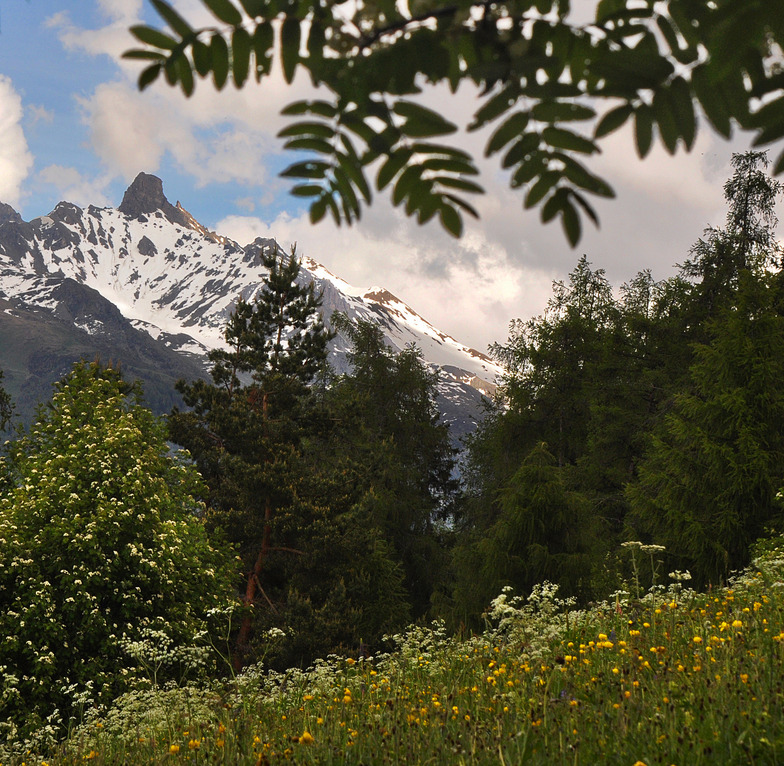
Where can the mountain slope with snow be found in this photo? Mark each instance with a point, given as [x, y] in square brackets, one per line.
[174, 281]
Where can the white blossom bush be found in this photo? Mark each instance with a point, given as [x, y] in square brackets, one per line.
[101, 542]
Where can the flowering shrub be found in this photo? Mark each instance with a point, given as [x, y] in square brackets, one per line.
[101, 548]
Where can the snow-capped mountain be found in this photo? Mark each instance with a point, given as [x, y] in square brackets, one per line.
[146, 285]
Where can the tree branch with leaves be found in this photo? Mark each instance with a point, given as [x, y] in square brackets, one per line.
[552, 88]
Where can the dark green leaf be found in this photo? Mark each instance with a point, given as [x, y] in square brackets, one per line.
[306, 169]
[185, 74]
[684, 23]
[322, 108]
[421, 147]
[240, 55]
[521, 149]
[449, 165]
[224, 11]
[613, 120]
[220, 60]
[319, 129]
[309, 144]
[421, 122]
[172, 18]
[459, 183]
[318, 209]
[582, 177]
[392, 166]
[536, 193]
[307, 190]
[668, 129]
[528, 170]
[352, 167]
[461, 203]
[711, 100]
[148, 75]
[779, 166]
[202, 58]
[564, 139]
[290, 35]
[347, 194]
[683, 110]
[589, 211]
[154, 37]
[554, 205]
[451, 220]
[494, 107]
[608, 8]
[144, 55]
[254, 8]
[405, 182]
[643, 129]
[570, 220]
[262, 42]
[561, 111]
[509, 129]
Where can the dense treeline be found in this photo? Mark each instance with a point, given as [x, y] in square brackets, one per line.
[314, 513]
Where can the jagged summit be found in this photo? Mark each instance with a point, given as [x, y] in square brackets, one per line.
[145, 196]
[177, 283]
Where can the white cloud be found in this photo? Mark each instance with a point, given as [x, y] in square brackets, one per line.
[469, 289]
[15, 157]
[72, 186]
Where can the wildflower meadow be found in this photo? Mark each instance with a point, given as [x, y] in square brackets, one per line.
[671, 677]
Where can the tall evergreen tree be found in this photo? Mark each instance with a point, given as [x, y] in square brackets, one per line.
[708, 484]
[389, 424]
[245, 428]
[543, 531]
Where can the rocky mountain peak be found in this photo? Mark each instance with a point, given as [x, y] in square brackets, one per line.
[145, 196]
[8, 214]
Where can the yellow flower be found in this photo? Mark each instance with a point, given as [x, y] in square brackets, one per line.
[194, 744]
[174, 749]
[697, 639]
[639, 763]
[737, 624]
[306, 738]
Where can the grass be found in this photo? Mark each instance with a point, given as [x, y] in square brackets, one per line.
[676, 677]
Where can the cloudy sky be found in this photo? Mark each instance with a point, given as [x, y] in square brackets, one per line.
[74, 127]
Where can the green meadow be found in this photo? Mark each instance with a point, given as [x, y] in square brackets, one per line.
[674, 677]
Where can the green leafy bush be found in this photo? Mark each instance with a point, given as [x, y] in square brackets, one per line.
[101, 547]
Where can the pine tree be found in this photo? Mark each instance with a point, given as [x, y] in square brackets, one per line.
[246, 427]
[708, 484]
[389, 426]
[543, 531]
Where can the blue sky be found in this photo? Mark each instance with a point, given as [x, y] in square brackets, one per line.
[73, 126]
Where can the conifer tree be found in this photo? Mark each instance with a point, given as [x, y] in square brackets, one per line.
[708, 485]
[246, 426]
[543, 531]
[389, 425]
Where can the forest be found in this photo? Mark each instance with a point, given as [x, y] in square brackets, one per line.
[636, 435]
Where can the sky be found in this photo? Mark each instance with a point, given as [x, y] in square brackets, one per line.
[74, 127]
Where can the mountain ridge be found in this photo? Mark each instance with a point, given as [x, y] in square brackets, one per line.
[172, 279]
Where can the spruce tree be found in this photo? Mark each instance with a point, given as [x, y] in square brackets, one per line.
[388, 425]
[246, 427]
[708, 484]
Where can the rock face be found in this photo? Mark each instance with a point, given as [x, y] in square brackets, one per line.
[148, 286]
[145, 195]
